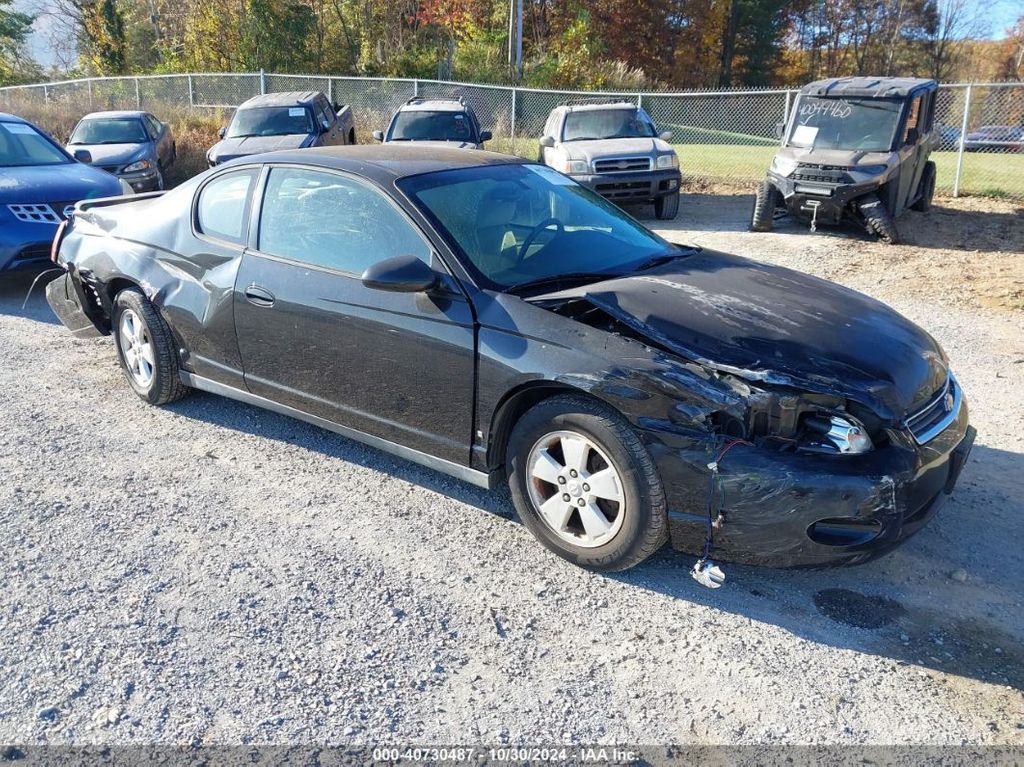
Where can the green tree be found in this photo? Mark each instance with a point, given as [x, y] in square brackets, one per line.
[14, 29]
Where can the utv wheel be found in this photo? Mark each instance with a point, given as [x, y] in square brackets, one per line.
[667, 208]
[585, 485]
[145, 347]
[924, 202]
[765, 202]
[878, 219]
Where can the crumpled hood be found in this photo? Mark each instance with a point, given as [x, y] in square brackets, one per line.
[111, 154]
[69, 182]
[598, 149]
[230, 148]
[771, 324]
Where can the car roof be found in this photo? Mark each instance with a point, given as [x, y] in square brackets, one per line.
[282, 99]
[9, 118]
[114, 114]
[869, 87]
[385, 162]
[433, 105]
[600, 106]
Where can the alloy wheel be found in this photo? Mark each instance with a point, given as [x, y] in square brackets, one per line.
[576, 489]
[137, 348]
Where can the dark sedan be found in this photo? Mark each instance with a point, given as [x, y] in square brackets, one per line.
[134, 146]
[495, 320]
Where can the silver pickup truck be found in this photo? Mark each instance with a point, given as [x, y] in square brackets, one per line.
[614, 149]
[291, 120]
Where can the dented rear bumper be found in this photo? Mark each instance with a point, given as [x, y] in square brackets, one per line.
[798, 510]
[67, 298]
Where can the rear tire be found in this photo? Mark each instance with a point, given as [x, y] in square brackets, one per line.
[924, 202]
[878, 219]
[666, 208]
[553, 450]
[145, 347]
[765, 202]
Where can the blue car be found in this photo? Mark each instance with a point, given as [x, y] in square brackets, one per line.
[39, 183]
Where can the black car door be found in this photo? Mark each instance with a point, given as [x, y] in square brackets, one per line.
[399, 366]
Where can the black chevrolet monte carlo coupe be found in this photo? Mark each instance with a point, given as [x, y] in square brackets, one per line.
[490, 318]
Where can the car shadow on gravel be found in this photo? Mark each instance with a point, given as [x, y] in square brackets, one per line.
[948, 600]
[269, 425]
[14, 288]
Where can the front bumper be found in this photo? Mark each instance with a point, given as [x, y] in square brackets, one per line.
[832, 201]
[25, 245]
[799, 510]
[641, 186]
[142, 181]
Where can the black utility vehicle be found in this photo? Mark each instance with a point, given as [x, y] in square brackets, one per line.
[493, 319]
[855, 148]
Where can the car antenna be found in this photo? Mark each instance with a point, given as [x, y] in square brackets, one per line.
[705, 571]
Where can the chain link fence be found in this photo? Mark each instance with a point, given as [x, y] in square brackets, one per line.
[720, 136]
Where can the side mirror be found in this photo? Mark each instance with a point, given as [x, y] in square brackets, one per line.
[83, 155]
[222, 132]
[324, 126]
[401, 274]
[485, 135]
[378, 135]
[780, 128]
[547, 142]
[912, 136]
[666, 136]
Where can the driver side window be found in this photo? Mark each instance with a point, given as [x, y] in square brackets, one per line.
[329, 220]
[913, 119]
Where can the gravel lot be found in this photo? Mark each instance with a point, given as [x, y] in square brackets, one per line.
[211, 573]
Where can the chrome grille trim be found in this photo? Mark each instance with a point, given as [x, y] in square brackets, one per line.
[35, 213]
[935, 417]
[622, 164]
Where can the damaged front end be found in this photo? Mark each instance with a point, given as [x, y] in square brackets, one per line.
[831, 460]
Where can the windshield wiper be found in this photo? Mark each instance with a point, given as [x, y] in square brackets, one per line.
[557, 279]
[664, 258]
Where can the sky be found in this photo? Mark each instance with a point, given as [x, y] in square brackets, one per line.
[1000, 13]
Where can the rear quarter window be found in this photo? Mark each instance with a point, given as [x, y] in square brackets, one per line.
[223, 206]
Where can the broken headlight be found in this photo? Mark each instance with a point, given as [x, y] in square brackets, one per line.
[834, 434]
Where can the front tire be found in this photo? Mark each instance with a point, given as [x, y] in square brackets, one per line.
[584, 484]
[145, 347]
[666, 208]
[878, 219]
[766, 200]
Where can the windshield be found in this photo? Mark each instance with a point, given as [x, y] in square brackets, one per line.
[865, 124]
[519, 224]
[271, 121]
[112, 131]
[606, 123]
[22, 145]
[417, 125]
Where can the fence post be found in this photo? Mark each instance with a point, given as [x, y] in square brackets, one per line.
[89, 82]
[512, 130]
[639, 101]
[963, 137]
[46, 94]
[415, 87]
[263, 82]
[191, 93]
[330, 91]
[138, 96]
[785, 109]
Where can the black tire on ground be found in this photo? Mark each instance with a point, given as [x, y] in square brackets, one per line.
[643, 528]
[161, 182]
[878, 219]
[165, 385]
[924, 202]
[765, 201]
[666, 208]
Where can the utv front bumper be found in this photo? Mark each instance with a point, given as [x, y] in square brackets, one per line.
[635, 186]
[801, 510]
[826, 203]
